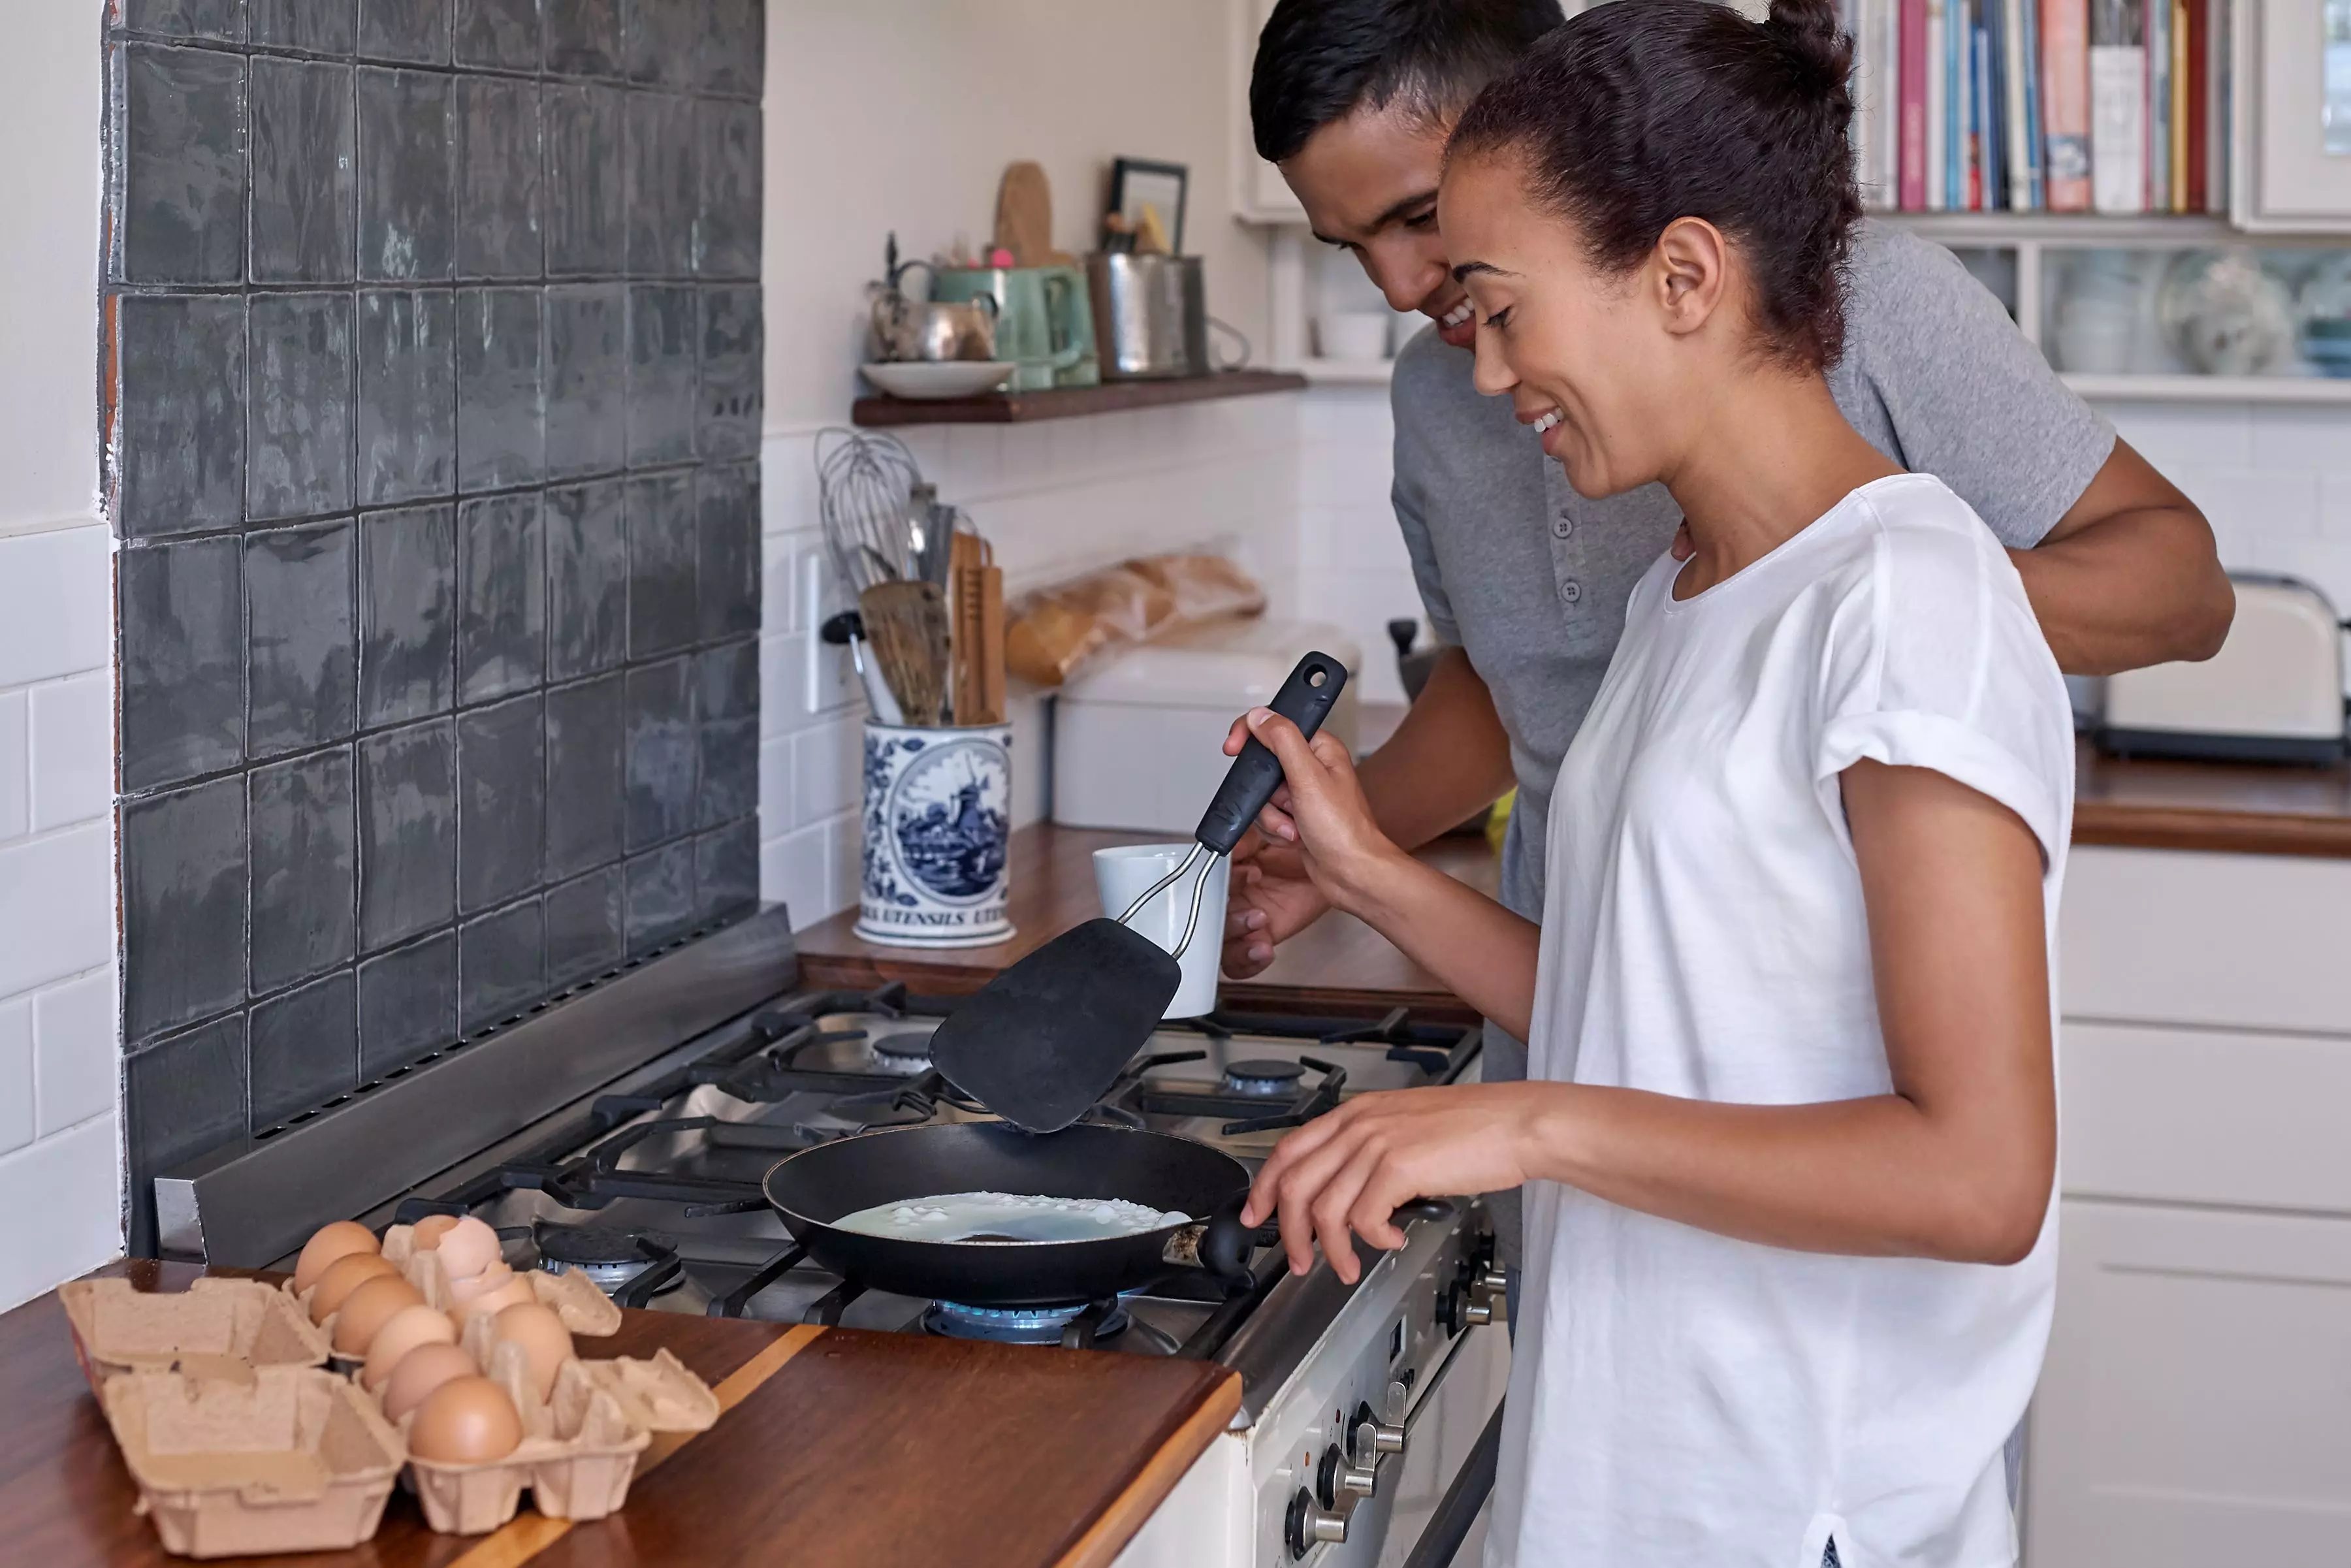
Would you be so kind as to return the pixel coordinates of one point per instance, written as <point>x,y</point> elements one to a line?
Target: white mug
<point>1121,875</point>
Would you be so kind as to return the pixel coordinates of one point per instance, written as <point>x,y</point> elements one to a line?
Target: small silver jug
<point>909,329</point>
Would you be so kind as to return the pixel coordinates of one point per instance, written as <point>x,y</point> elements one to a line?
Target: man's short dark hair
<point>1318,60</point>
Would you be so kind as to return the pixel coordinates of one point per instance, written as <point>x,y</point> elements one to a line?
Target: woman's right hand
<point>1319,808</point>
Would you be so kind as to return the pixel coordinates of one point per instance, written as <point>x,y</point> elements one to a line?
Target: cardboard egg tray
<point>236,1459</point>
<point>213,1325</point>
<point>584,1309</point>
<point>579,1446</point>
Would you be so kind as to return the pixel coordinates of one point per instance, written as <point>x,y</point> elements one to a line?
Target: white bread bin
<point>1138,740</point>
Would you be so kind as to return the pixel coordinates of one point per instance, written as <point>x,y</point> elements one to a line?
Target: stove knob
<point>1308,1526</point>
<point>1337,1476</point>
<point>1373,1439</point>
<point>1450,1303</point>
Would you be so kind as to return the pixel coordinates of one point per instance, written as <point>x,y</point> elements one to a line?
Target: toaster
<point>2272,694</point>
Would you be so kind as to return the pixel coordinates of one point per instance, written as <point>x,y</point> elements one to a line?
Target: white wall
<point>60,1162</point>
<point>900,115</point>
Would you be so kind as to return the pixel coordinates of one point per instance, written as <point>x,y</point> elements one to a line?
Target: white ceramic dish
<point>926,379</point>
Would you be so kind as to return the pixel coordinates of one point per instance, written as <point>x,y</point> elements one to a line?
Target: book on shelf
<point>2119,117</point>
<point>2065,101</point>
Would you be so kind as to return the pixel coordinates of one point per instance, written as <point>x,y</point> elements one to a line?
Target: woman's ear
<point>1693,272</point>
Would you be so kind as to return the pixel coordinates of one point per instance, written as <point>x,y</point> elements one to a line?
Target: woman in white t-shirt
<point>1789,1136</point>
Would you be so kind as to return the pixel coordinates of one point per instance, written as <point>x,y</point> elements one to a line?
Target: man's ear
<point>1692,270</point>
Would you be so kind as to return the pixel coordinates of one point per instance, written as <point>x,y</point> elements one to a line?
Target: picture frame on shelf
<point>1139,182</point>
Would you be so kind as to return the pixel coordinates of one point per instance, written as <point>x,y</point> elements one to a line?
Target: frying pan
<point>817,1186</point>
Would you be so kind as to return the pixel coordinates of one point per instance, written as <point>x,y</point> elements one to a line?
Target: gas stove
<point>647,1182</point>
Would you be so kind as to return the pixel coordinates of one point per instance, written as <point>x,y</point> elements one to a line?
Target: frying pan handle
<point>1305,700</point>
<point>1227,1245</point>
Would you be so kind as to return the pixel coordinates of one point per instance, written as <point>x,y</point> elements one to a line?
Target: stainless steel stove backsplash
<point>434,394</point>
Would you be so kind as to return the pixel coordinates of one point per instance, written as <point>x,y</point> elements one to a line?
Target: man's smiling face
<point>1368,181</point>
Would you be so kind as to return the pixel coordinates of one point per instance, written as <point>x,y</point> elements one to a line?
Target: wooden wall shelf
<point>1068,402</point>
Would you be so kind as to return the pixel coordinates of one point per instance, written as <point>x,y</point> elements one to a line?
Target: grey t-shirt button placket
<point>1570,591</point>
<point>1562,527</point>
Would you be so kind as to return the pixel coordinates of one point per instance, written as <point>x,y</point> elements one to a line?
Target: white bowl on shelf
<point>928,380</point>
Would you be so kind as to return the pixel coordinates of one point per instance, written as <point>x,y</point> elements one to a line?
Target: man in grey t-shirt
<point>1525,581</point>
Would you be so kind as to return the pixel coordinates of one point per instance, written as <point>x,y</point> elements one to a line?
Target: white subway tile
<point>2324,561</point>
<point>792,873</point>
<point>16,766</point>
<point>64,1199</point>
<point>976,455</point>
<point>76,1050</point>
<point>826,764</point>
<point>16,1073</point>
<point>776,783</point>
<point>2302,437</point>
<point>787,483</point>
<point>57,906</point>
<point>2334,505</point>
<point>779,605</point>
<point>56,612</point>
<point>843,843</point>
<point>2254,503</point>
<point>2179,435</point>
<point>783,682</point>
<point>73,750</point>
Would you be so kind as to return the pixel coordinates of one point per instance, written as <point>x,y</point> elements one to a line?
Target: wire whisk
<point>865,484</point>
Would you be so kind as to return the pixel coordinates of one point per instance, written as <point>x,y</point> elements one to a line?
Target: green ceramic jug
<point>1044,321</point>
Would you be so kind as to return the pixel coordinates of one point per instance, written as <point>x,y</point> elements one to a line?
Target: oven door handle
<point>1449,1525</point>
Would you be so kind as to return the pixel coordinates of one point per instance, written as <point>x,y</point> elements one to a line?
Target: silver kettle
<point>909,329</point>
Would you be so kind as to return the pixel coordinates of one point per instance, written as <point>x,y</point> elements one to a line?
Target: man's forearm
<point>1449,757</point>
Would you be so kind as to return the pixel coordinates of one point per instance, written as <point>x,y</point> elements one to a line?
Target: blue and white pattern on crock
<point>938,824</point>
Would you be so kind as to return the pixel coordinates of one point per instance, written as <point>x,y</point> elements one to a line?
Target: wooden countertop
<point>2240,808</point>
<point>838,1448</point>
<point>1338,965</point>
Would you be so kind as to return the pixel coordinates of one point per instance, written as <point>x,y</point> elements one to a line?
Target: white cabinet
<point>1261,196</point>
<point>2196,1407</point>
<point>2291,121</point>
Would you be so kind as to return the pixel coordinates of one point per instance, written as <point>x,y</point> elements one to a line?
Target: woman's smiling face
<point>1589,357</point>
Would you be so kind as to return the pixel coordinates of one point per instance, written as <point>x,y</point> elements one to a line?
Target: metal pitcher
<point>905,327</point>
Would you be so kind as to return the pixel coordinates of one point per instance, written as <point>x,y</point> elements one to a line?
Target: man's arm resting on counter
<point>1447,760</point>
<point>2129,576</point>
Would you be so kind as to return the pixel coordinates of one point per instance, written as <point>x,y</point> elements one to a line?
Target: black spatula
<point>1045,1038</point>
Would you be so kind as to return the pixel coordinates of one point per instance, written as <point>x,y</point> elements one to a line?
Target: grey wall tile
<point>733,57</point>
<point>726,870</point>
<point>414,30</point>
<point>408,615</point>
<point>178,116</point>
<point>584,927</point>
<point>661,334</point>
<point>501,33</point>
<point>497,176</point>
<point>501,427</point>
<point>727,414</point>
<point>301,593</point>
<point>303,205</point>
<point>184,1095</point>
<point>501,965</point>
<point>662,191</point>
<point>663,38</point>
<point>407,174</point>
<point>298,414</point>
<point>303,1049</point>
<point>223,20</point>
<point>663,554</point>
<point>183,907</point>
<point>726,501</point>
<point>501,596</point>
<point>726,223</point>
<point>317,26</point>
<point>407,395</point>
<point>408,833</point>
<point>583,37</point>
<point>183,660</point>
<point>501,795</point>
<point>585,736</point>
<point>587,228</point>
<point>662,752</point>
<point>302,838</point>
<point>659,896</point>
<point>729,719</point>
<point>587,379</point>
<point>586,579</point>
<point>177,461</point>
<point>408,1004</point>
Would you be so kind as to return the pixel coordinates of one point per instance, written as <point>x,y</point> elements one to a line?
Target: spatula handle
<point>1305,700</point>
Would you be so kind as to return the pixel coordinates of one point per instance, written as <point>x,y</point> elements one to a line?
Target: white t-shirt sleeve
<point>1936,662</point>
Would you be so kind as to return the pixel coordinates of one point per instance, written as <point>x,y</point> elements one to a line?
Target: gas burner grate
<point>1244,1094</point>
<point>631,1267</point>
<point>1078,1326</point>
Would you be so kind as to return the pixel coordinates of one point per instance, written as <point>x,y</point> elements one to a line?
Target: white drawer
<point>2206,1117</point>
<point>2233,941</point>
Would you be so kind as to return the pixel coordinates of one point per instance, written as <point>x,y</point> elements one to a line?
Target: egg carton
<point>581,1446</point>
<point>235,1459</point>
<point>583,1309</point>
<point>211,1324</point>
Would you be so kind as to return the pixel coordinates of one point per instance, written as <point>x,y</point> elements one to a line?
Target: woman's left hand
<point>1349,1170</point>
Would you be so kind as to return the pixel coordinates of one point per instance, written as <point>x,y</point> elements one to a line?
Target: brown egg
<point>402,1333</point>
<point>515,1291</point>
<point>341,1277</point>
<point>467,1248</point>
<point>420,1371</point>
<point>465,1421</point>
<point>545,1343</point>
<point>427,1233</point>
<point>327,1243</point>
<point>368,1308</point>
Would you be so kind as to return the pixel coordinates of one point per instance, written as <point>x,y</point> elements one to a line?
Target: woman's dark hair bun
<point>1633,114</point>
